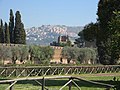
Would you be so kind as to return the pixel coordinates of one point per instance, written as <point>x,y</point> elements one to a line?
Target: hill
<point>46,34</point>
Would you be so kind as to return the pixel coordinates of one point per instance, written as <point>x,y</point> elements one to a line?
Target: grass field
<point>57,84</point>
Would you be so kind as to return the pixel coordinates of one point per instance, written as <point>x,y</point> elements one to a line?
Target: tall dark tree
<point>80,41</point>
<point>7,35</point>
<point>114,33</point>
<point>90,31</point>
<point>23,34</point>
<point>105,15</point>
<point>2,33</point>
<point>11,26</point>
<point>19,31</point>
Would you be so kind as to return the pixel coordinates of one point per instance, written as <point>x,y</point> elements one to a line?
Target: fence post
<point>70,84</point>
<point>11,88</point>
<point>43,83</point>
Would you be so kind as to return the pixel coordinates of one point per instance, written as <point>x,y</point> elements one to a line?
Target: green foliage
<point>87,56</point>
<point>24,53</point>
<point>17,38</point>
<point>114,38</point>
<point>19,31</point>
<point>41,54</point>
<point>80,41</point>
<point>90,31</point>
<point>69,53</point>
<point>15,54</point>
<point>5,53</point>
<point>19,53</point>
<point>2,32</point>
<point>23,34</point>
<point>7,35</point>
<point>11,26</point>
<point>105,15</point>
<point>81,55</point>
<point>13,34</point>
<point>68,43</point>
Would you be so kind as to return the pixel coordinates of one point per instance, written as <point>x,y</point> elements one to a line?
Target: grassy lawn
<point>37,87</point>
<point>57,84</point>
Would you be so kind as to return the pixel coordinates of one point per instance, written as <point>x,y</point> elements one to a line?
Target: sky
<point>51,12</point>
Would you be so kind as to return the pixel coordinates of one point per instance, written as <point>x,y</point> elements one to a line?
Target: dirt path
<point>100,74</point>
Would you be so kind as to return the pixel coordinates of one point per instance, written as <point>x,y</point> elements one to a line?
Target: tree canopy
<point>107,21</point>
<point>19,31</point>
<point>90,31</point>
<point>11,26</point>
<point>7,35</point>
<point>80,55</point>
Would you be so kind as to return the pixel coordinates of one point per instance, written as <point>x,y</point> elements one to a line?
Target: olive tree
<point>70,53</point>
<point>87,56</point>
<point>23,51</point>
<point>15,54</point>
<point>80,55</point>
<point>5,53</point>
<point>41,54</point>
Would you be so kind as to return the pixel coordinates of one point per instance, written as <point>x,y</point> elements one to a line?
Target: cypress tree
<point>2,33</point>
<point>7,35</point>
<point>19,31</point>
<point>11,26</point>
<point>23,34</point>
<point>17,38</point>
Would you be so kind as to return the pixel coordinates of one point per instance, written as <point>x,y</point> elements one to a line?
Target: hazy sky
<point>54,12</point>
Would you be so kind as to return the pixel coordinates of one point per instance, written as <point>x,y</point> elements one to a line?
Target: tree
<point>7,35</point>
<point>23,34</point>
<point>2,33</point>
<point>48,51</point>
<point>11,26</point>
<point>87,56</point>
<point>114,33</point>
<point>31,48</point>
<point>19,31</point>
<point>80,55</point>
<point>80,41</point>
<point>41,54</point>
<point>105,15</point>
<point>23,51</point>
<point>70,53</point>
<point>15,54</point>
<point>90,31</point>
<point>5,53</point>
<point>68,43</point>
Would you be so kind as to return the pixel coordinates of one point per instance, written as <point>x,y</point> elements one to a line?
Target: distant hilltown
<point>46,34</point>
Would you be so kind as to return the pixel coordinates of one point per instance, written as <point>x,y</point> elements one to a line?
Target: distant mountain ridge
<point>46,34</point>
